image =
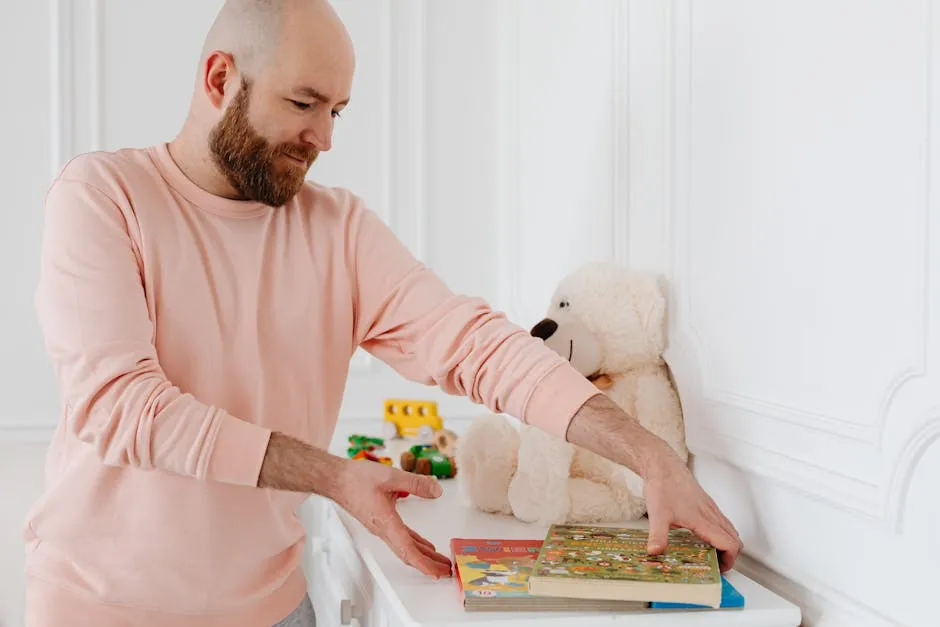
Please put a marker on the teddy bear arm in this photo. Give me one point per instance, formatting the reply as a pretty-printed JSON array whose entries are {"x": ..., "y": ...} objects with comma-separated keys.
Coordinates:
[
  {"x": 487, "y": 458},
  {"x": 658, "y": 410},
  {"x": 601, "y": 502},
  {"x": 539, "y": 490}
]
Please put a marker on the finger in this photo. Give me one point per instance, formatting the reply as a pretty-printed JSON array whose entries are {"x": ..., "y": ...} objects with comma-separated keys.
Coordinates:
[
  {"x": 420, "y": 485},
  {"x": 658, "y": 534},
  {"x": 434, "y": 555},
  {"x": 420, "y": 539},
  {"x": 426, "y": 547},
  {"x": 728, "y": 545},
  {"x": 726, "y": 560},
  {"x": 404, "y": 546},
  {"x": 718, "y": 517}
]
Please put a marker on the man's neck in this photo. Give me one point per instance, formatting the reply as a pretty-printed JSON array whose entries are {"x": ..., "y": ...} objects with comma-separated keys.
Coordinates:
[{"x": 192, "y": 157}]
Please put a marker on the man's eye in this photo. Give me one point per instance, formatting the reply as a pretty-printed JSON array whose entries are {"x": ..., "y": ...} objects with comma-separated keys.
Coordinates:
[
  {"x": 303, "y": 106},
  {"x": 336, "y": 114}
]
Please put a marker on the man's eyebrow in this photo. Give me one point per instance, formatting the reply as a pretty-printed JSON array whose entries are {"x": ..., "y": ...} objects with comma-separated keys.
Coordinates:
[{"x": 313, "y": 93}]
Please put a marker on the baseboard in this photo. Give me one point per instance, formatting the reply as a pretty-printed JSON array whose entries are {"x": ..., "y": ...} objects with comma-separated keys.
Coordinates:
[{"x": 820, "y": 604}]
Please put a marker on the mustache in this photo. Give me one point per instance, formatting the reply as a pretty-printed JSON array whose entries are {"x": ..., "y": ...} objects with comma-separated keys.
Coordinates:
[{"x": 304, "y": 154}]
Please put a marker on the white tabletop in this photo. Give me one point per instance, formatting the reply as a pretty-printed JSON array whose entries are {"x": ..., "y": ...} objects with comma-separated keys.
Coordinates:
[{"x": 422, "y": 601}]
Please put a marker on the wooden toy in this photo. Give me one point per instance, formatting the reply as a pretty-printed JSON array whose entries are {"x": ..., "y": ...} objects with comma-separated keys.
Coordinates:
[
  {"x": 425, "y": 459},
  {"x": 445, "y": 441},
  {"x": 411, "y": 418}
]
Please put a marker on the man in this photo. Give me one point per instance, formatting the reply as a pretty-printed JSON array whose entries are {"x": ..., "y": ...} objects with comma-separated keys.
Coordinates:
[{"x": 200, "y": 302}]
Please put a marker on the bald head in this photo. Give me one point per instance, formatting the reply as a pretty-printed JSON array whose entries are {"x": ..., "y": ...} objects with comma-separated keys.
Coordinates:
[
  {"x": 253, "y": 31},
  {"x": 274, "y": 76}
]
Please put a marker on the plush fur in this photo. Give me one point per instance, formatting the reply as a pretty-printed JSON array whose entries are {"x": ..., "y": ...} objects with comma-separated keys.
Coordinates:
[{"x": 609, "y": 322}]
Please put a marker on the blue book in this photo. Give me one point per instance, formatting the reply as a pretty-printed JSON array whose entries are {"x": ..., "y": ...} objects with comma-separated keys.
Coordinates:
[{"x": 730, "y": 597}]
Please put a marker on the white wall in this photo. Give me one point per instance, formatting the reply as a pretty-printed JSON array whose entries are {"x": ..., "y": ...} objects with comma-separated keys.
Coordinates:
[{"x": 773, "y": 159}]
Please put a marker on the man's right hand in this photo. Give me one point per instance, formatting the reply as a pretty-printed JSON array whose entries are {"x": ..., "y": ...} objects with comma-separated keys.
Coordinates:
[{"x": 369, "y": 491}]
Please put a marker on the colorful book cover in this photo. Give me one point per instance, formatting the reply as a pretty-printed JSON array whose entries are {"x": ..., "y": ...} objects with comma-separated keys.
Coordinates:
[
  {"x": 494, "y": 568},
  {"x": 608, "y": 562},
  {"x": 493, "y": 575}
]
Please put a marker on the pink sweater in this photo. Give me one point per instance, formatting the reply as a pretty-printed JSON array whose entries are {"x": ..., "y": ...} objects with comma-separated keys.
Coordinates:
[{"x": 183, "y": 329}]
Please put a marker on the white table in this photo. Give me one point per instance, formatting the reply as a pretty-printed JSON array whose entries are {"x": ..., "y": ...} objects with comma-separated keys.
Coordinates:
[{"x": 356, "y": 580}]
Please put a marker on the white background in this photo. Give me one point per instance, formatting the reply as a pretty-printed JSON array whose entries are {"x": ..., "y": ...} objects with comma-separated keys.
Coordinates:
[{"x": 775, "y": 160}]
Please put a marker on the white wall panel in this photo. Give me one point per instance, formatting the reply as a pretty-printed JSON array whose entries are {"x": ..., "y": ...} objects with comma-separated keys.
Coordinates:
[
  {"x": 775, "y": 160},
  {"x": 562, "y": 151},
  {"x": 802, "y": 234}
]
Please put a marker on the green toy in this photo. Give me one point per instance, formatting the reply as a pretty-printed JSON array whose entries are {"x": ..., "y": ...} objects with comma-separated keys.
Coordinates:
[
  {"x": 359, "y": 443},
  {"x": 425, "y": 459}
]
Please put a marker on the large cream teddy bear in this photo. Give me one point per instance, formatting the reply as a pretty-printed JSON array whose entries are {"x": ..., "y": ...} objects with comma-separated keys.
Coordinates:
[{"x": 609, "y": 322}]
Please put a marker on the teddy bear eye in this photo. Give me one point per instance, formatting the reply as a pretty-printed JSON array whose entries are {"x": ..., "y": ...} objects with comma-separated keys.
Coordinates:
[{"x": 564, "y": 304}]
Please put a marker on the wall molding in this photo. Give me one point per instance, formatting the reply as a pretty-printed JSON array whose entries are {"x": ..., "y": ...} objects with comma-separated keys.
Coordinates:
[
  {"x": 899, "y": 485},
  {"x": 509, "y": 193},
  {"x": 715, "y": 431},
  {"x": 96, "y": 34},
  {"x": 406, "y": 83},
  {"x": 77, "y": 44},
  {"x": 403, "y": 139},
  {"x": 620, "y": 138},
  {"x": 61, "y": 73}
]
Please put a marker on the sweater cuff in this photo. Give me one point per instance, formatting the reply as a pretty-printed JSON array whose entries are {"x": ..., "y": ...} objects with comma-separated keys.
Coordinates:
[
  {"x": 238, "y": 452},
  {"x": 557, "y": 398}
]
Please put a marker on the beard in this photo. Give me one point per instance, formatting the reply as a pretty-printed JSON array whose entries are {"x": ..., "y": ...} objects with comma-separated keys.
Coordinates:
[{"x": 247, "y": 159}]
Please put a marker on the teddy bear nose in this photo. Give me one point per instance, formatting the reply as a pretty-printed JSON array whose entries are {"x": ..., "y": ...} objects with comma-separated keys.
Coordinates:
[{"x": 545, "y": 329}]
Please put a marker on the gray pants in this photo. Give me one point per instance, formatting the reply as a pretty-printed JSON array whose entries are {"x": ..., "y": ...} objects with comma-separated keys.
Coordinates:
[{"x": 303, "y": 616}]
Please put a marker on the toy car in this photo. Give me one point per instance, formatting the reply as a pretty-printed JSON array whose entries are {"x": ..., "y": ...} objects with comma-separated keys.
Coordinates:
[
  {"x": 425, "y": 459},
  {"x": 411, "y": 418}
]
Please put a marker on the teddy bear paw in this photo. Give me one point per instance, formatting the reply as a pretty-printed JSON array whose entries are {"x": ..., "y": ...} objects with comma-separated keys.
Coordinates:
[
  {"x": 531, "y": 502},
  {"x": 487, "y": 458}
]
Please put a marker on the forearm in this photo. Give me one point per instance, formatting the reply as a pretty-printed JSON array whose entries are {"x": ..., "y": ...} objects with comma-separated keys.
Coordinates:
[
  {"x": 604, "y": 428},
  {"x": 292, "y": 465}
]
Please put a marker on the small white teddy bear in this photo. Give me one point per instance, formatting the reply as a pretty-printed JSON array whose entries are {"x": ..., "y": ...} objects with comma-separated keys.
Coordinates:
[{"x": 609, "y": 322}]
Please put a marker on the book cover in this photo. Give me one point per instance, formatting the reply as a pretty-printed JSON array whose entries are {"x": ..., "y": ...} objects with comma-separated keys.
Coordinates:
[
  {"x": 493, "y": 574},
  {"x": 586, "y": 561},
  {"x": 493, "y": 567},
  {"x": 730, "y": 598}
]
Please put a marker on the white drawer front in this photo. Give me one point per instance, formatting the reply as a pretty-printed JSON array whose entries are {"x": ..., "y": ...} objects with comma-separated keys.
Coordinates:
[{"x": 341, "y": 586}]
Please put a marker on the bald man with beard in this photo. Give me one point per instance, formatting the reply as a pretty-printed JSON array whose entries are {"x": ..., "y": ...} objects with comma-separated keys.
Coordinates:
[{"x": 200, "y": 301}]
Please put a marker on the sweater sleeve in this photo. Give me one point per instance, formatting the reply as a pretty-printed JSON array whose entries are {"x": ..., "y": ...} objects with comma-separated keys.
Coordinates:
[
  {"x": 407, "y": 317},
  {"x": 98, "y": 332}
]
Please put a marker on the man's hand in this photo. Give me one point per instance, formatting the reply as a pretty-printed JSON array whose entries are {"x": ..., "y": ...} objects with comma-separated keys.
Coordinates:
[
  {"x": 367, "y": 490},
  {"x": 673, "y": 496},
  {"x": 675, "y": 499}
]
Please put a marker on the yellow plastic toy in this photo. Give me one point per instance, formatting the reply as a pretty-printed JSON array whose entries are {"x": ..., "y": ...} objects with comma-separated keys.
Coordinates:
[{"x": 411, "y": 418}]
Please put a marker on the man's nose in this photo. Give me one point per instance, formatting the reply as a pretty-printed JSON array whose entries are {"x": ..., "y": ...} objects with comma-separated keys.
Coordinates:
[
  {"x": 319, "y": 135},
  {"x": 545, "y": 329}
]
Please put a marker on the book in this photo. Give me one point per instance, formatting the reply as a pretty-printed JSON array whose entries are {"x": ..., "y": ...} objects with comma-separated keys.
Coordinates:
[
  {"x": 730, "y": 598},
  {"x": 493, "y": 575},
  {"x": 612, "y": 563}
]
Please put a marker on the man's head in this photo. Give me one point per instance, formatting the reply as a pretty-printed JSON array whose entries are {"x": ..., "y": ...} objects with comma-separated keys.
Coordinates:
[{"x": 274, "y": 75}]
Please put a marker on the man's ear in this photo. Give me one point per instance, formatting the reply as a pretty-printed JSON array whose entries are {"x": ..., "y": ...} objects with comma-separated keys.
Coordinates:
[{"x": 217, "y": 77}]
